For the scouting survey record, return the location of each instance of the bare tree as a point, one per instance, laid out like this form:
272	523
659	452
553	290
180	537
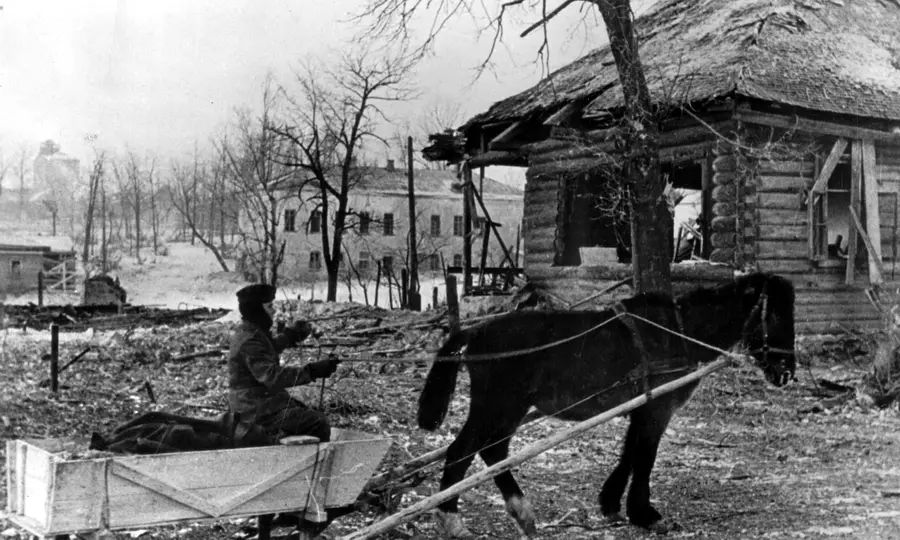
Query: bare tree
650	243
330	120
5	165
95	181
255	159
20	166
183	189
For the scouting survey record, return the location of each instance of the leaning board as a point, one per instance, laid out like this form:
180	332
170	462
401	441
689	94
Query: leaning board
48	494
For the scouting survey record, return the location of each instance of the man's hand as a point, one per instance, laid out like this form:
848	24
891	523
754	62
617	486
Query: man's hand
303	329
323	368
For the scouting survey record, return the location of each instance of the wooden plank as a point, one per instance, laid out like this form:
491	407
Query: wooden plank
873	218
815	126
785	266
77	496
506	136
855	195
888	174
781	201
876	271
819	328
768	249
837	150
169	491
776	184
783	232
782	216
12	480
272	481
786	168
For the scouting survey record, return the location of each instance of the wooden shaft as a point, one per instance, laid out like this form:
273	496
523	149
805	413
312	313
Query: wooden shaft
529	452
397	473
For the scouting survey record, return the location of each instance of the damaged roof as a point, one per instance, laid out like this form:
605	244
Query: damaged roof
838	56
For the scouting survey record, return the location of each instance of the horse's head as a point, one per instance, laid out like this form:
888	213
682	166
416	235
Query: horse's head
768	307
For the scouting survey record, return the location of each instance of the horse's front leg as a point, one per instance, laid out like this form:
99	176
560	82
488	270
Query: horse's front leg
517	505
460	455
610	497
649	423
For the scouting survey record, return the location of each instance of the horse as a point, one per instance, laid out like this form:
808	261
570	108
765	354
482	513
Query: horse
576	364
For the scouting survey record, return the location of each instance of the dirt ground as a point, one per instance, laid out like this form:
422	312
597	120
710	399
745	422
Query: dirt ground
742	460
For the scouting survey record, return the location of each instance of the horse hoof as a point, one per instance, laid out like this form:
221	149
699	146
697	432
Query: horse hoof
451	525
614	518
664	526
521	511
646	517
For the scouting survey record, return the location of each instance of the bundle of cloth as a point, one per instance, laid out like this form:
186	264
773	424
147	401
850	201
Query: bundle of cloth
161	432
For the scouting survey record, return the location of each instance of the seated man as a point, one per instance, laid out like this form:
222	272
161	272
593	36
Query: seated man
835	250
256	379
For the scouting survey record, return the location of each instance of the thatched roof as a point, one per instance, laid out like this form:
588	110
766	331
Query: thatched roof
440	183
837	56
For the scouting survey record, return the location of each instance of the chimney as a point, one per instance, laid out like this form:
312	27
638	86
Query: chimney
390	164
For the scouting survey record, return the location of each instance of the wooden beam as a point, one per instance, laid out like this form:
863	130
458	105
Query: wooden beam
498	157
507	135
855	184
562	116
873	218
876	269
815	126
830	163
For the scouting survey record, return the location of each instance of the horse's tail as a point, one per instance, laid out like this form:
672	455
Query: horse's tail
440	384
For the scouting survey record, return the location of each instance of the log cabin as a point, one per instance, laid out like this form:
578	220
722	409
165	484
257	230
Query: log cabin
781	120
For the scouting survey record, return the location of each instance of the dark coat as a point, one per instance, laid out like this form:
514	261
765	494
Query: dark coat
256	379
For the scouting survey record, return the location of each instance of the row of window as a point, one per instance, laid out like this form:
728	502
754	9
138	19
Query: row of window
365	262
365	221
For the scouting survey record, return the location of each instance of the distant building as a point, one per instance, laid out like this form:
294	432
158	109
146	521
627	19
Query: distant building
55	178
22	257
381	223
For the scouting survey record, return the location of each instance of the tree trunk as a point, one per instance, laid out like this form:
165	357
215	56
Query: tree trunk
650	251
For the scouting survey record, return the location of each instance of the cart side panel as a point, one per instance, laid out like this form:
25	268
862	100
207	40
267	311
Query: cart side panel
78	496
12	480
168	488
34	469
357	456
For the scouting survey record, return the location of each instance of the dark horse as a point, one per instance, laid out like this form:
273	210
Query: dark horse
571	365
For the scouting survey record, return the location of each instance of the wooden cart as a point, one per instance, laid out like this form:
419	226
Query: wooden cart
51	494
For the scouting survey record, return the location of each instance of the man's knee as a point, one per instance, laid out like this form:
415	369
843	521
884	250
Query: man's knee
320	427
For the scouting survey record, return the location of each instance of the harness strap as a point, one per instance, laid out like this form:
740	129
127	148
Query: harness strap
643	370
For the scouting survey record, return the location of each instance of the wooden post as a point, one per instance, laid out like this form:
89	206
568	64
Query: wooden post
390	288
452	304
404	288
413	298
873	219
40	288
855	181
467	229
876	270
487	217
529	452
377	280
485	240
434	298
54	358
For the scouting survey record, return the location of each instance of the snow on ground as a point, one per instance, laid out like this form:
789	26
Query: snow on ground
189	276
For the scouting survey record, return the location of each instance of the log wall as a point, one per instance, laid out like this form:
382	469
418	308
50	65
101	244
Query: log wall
825	303
759	221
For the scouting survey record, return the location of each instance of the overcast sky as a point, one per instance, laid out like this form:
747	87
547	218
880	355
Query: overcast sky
158	75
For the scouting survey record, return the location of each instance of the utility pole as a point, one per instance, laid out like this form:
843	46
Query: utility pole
415	300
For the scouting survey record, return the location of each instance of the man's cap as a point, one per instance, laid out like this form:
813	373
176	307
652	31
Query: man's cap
256	294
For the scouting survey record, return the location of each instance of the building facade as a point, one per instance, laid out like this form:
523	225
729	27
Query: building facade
380	224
